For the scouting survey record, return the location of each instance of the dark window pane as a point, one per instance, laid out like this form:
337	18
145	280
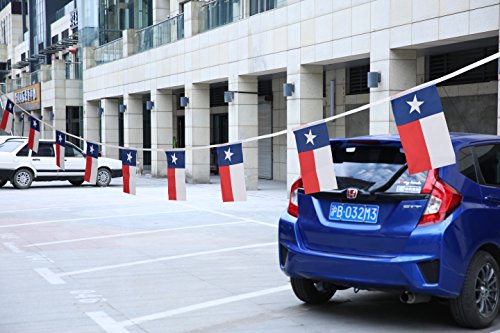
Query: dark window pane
488	157
466	163
24	151
45	150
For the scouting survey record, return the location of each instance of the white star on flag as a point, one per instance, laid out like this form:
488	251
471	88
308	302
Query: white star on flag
34	123
60	138
228	154
174	159
129	157
91	149
415	104
310	137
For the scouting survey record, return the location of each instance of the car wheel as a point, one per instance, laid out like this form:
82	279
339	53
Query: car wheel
312	292
103	177
477	305
3	182
76	182
22	179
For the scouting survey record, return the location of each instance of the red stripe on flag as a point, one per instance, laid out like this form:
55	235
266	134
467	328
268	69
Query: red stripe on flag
5	119
58	155
225	183
88	169
308	171
126	178
413	141
172	187
31	139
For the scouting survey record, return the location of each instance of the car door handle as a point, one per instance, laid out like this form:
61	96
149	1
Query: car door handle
35	159
492	199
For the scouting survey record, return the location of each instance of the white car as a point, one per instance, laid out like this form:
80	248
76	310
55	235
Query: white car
20	166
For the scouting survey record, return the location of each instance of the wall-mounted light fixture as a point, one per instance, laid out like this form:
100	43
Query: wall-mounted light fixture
99	111
373	79
122	108
184	101
288	89
228	96
150	105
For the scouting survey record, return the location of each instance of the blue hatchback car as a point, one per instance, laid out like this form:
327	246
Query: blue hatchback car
432	234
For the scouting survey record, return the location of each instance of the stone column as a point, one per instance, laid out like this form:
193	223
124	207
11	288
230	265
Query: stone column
133	124
244	123
59	107
161	130
197	133
91	121
128	42
306	105
192	20
161	10
109	127
398	69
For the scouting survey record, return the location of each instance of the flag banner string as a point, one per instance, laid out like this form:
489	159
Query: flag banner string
283	132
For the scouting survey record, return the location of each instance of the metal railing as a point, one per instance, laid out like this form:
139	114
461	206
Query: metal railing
109	52
260	6
219	12
73	71
159	34
65	10
33	78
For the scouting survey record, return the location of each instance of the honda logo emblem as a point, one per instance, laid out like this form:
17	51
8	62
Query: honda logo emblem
352	193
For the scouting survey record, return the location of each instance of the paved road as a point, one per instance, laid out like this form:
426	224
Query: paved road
96	260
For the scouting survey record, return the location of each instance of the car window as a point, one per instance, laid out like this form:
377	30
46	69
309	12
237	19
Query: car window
71	151
488	157
466	163
45	150
407	183
10	146
24	152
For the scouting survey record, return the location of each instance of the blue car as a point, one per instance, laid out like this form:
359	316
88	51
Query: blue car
431	234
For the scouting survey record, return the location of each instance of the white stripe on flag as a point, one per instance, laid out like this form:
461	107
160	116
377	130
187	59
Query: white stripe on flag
36	140
62	151
238	182
132	171
180	184
93	172
438	141
325	169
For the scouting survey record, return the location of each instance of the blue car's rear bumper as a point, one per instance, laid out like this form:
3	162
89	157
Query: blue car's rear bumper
389	272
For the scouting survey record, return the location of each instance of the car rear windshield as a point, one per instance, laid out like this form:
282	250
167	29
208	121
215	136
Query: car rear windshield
10	146
371	167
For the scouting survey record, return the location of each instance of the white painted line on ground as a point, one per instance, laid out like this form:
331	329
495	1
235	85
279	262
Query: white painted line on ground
181	256
90	218
201	306
12	247
51	277
106	322
136	233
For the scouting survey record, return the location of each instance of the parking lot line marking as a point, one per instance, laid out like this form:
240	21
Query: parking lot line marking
90	218
205	305
106	322
12	247
136	233
51	277
150	261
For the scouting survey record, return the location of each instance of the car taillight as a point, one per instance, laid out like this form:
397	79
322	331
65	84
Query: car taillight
293	205
443	200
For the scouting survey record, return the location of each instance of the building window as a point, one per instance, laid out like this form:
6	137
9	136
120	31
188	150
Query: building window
442	64
259	6
357	80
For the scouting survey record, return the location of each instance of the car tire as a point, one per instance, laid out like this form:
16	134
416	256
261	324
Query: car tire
477	305
22	179
78	182
312	292
103	177
3	182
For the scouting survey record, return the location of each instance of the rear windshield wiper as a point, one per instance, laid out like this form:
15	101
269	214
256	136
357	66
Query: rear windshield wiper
391	181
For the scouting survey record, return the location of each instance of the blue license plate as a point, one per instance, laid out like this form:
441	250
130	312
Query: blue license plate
353	213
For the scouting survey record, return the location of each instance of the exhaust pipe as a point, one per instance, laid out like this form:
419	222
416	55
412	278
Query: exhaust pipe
410	298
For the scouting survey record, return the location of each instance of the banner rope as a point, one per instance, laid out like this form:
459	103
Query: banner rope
275	134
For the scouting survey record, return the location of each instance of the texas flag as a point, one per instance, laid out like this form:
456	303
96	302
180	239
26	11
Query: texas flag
232	173
176	174
34	137
91	163
129	165
423	130
8	116
315	158
60	148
